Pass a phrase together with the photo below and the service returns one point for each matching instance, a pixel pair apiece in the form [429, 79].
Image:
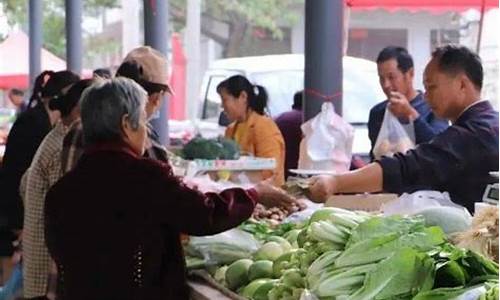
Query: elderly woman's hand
[322, 187]
[271, 196]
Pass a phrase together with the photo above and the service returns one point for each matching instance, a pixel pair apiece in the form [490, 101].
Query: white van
[283, 75]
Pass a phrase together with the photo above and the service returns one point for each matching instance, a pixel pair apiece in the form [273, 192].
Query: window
[212, 105]
[367, 43]
[441, 37]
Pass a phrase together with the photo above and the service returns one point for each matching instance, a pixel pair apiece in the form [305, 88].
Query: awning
[14, 61]
[432, 6]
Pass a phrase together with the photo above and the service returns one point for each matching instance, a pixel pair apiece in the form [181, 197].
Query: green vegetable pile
[339, 254]
[219, 148]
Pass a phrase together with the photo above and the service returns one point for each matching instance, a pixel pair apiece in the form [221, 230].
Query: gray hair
[103, 106]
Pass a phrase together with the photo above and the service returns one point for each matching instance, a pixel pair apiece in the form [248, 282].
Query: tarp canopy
[432, 6]
[14, 61]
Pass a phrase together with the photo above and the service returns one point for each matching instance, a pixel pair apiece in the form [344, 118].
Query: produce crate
[364, 202]
[245, 163]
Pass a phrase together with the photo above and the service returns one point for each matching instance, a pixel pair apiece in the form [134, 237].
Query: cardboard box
[365, 202]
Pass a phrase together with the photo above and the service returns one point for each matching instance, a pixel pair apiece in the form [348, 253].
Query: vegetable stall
[349, 249]
[341, 254]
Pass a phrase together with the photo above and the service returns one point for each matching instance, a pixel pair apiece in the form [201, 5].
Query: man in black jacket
[458, 160]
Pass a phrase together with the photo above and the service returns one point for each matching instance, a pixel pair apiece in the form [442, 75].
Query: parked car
[283, 75]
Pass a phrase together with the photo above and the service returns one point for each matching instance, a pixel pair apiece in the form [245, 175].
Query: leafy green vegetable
[378, 248]
[492, 293]
[286, 261]
[260, 269]
[194, 263]
[335, 283]
[293, 278]
[402, 275]
[444, 293]
[459, 267]
[262, 230]
[220, 274]
[380, 226]
[323, 262]
[253, 287]
[450, 274]
[285, 245]
[269, 251]
[237, 273]
[220, 148]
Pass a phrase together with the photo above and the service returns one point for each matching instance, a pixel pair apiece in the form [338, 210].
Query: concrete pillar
[74, 46]
[323, 55]
[156, 35]
[35, 38]
[193, 32]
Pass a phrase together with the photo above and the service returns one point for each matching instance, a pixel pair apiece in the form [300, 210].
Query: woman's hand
[321, 187]
[271, 196]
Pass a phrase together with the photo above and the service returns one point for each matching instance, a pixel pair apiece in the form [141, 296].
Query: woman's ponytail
[258, 102]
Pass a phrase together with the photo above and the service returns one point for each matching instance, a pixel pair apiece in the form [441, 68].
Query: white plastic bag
[435, 207]
[393, 136]
[327, 142]
[410, 204]
[223, 248]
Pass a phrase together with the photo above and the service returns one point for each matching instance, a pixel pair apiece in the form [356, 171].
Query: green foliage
[244, 17]
[53, 19]
[401, 275]
[220, 148]
[267, 14]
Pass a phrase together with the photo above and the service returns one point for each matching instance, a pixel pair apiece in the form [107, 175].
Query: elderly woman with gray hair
[118, 236]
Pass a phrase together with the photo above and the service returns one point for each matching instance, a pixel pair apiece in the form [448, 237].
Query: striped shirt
[44, 171]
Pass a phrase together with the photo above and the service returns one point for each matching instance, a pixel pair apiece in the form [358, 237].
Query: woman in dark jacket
[26, 134]
[113, 222]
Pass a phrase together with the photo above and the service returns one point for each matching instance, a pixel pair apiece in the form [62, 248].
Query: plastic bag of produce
[436, 208]
[223, 248]
[393, 136]
[411, 203]
[327, 142]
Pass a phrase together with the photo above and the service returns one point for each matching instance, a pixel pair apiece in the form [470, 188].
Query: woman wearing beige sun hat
[149, 68]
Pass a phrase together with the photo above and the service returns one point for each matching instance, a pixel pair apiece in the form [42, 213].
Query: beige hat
[154, 65]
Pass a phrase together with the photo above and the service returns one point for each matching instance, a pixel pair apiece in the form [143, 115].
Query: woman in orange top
[256, 133]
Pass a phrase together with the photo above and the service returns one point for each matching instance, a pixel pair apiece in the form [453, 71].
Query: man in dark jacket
[16, 97]
[458, 160]
[289, 124]
[396, 73]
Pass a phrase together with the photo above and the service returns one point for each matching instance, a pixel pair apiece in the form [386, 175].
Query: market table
[202, 291]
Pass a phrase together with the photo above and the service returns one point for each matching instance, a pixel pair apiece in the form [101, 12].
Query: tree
[53, 19]
[240, 16]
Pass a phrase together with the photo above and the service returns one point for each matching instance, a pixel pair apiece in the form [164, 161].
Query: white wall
[418, 25]
[489, 50]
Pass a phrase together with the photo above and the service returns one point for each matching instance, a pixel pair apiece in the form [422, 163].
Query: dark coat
[289, 124]
[458, 160]
[26, 134]
[113, 225]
